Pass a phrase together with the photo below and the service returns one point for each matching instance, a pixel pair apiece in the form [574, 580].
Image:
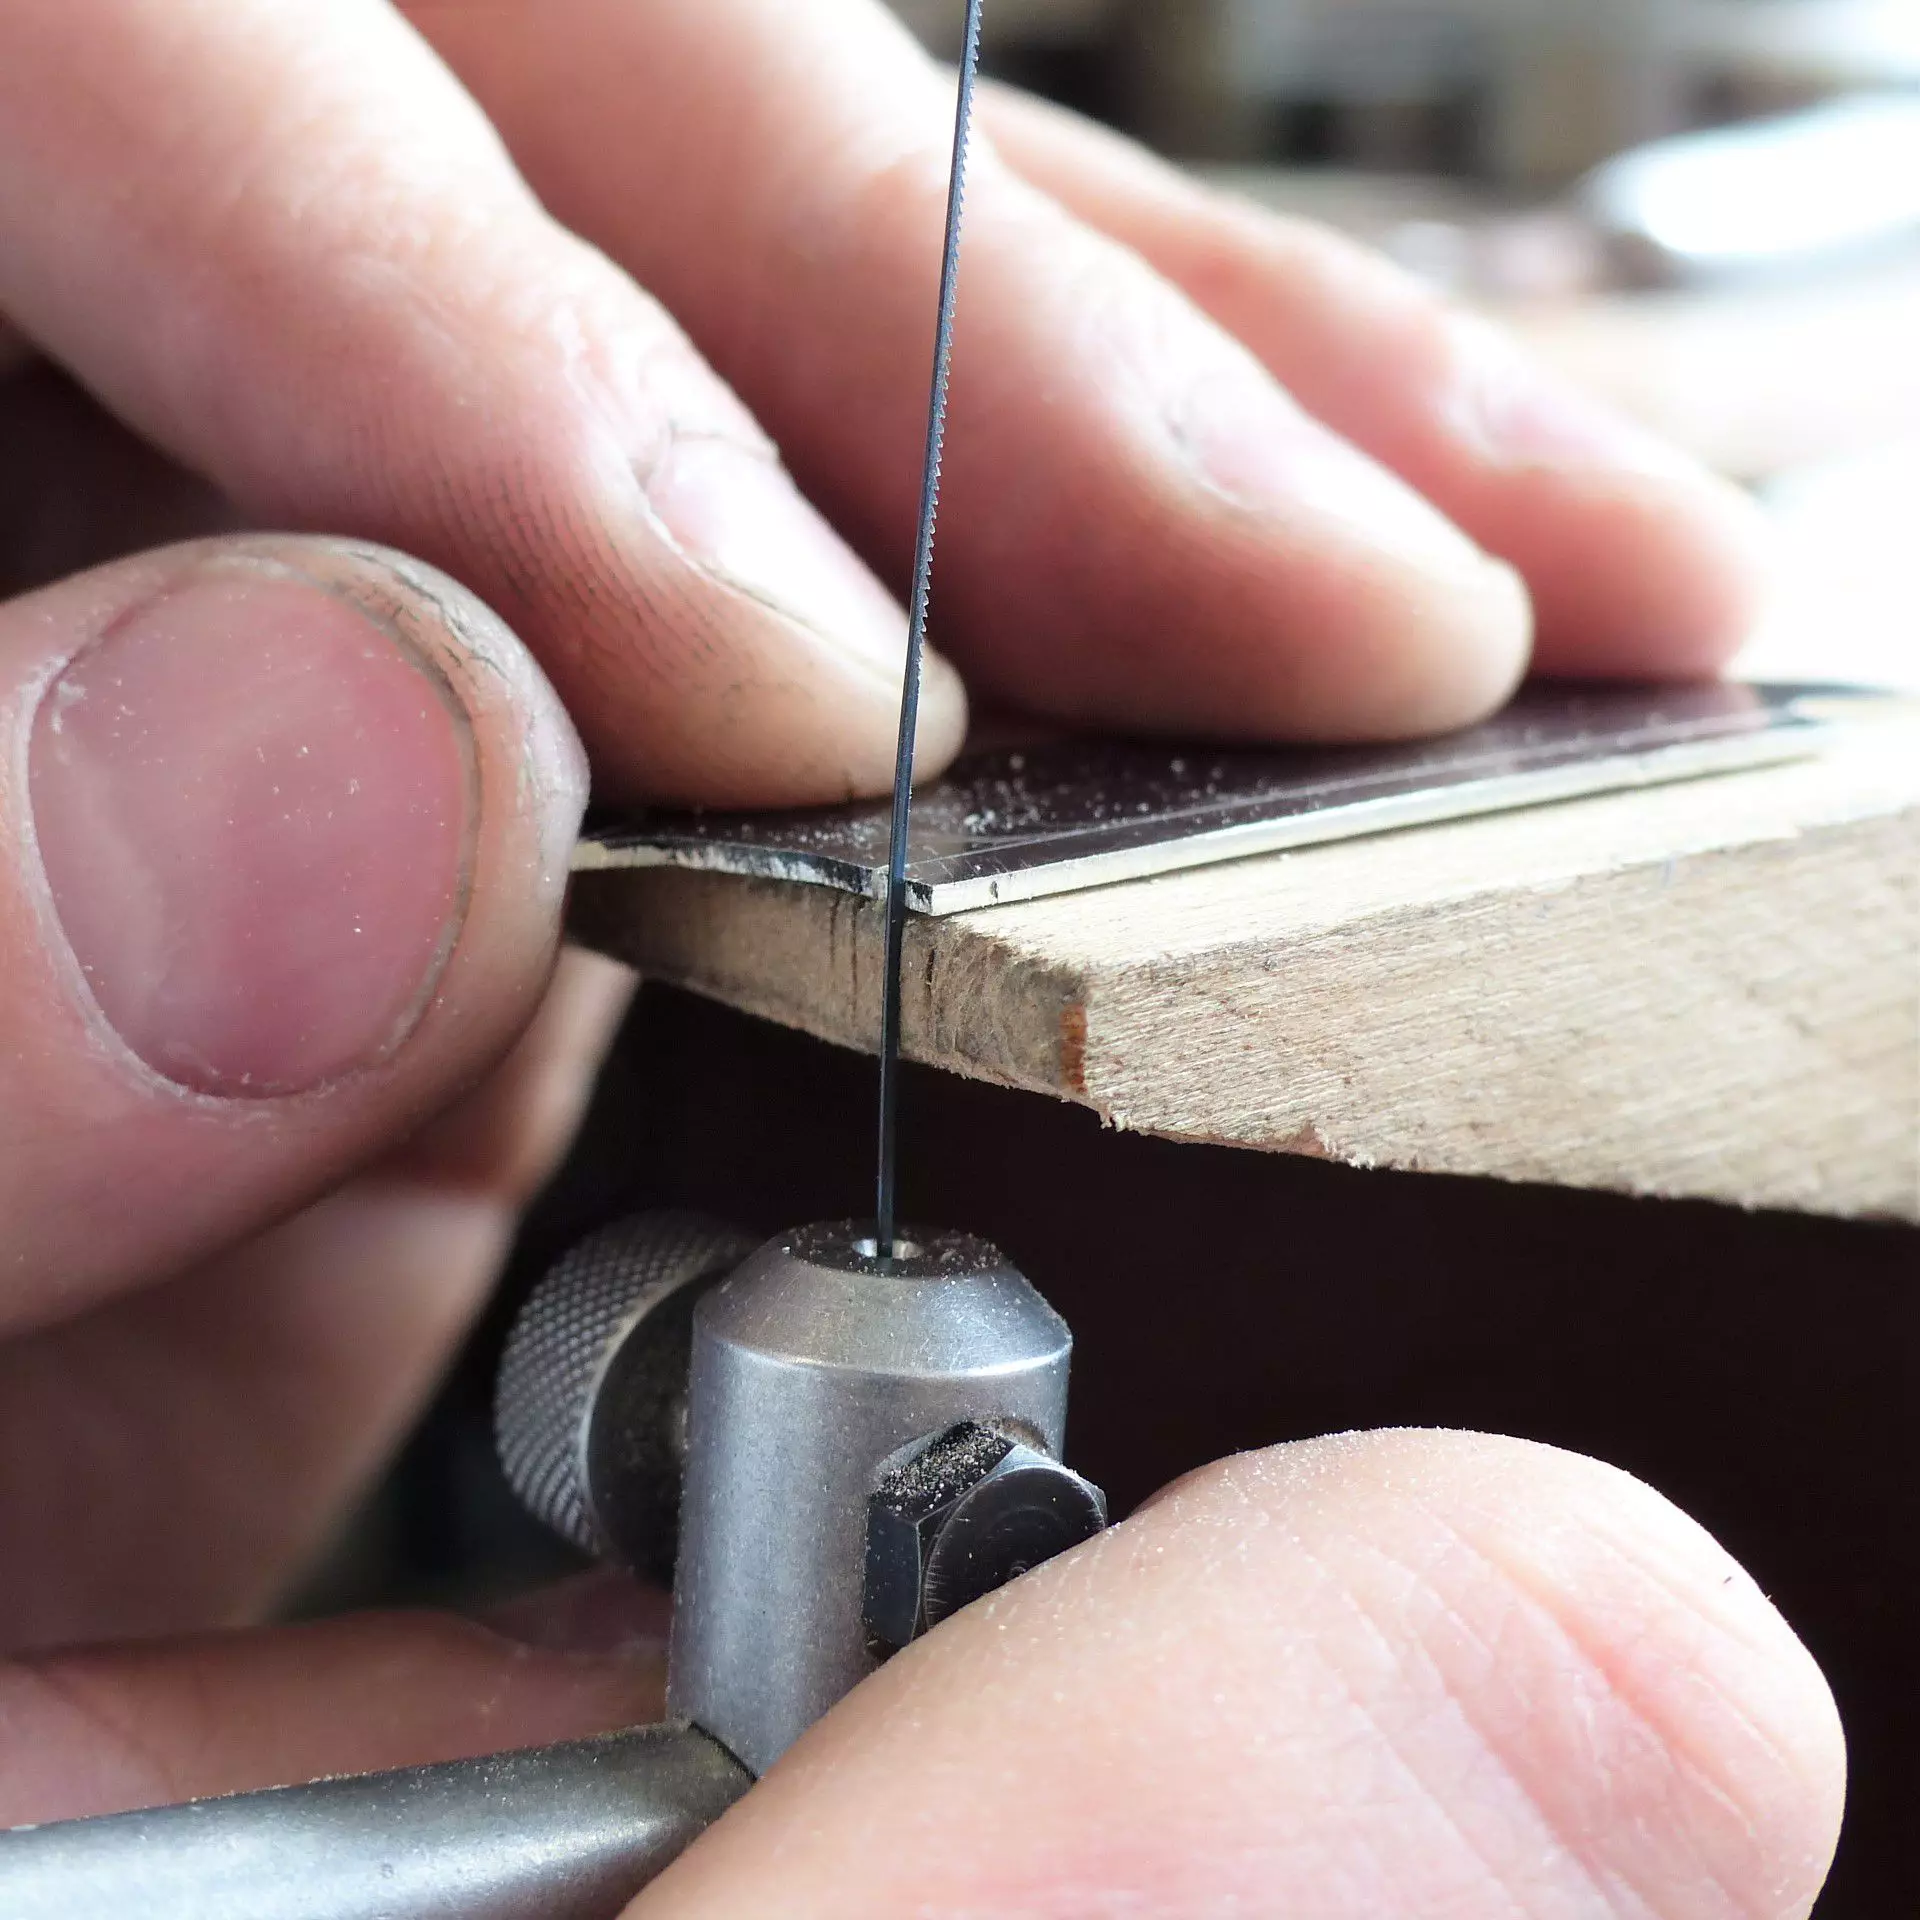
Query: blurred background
[1521, 94]
[1710, 210]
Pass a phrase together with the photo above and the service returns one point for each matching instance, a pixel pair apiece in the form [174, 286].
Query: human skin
[503, 312]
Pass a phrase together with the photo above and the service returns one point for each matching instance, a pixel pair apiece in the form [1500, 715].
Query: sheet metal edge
[1792, 739]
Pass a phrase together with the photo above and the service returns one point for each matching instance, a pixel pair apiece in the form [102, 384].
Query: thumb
[1379, 1674]
[283, 843]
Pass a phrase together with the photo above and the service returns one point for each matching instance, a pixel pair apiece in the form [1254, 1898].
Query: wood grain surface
[1710, 989]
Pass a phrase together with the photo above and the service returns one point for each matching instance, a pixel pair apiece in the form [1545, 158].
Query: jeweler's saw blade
[1020, 823]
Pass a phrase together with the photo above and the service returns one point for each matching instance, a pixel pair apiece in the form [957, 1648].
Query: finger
[214, 1430]
[1397, 1674]
[283, 843]
[353, 316]
[1639, 561]
[1139, 526]
[106, 1729]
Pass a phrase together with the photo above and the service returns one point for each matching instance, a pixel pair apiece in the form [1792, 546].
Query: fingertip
[1451, 653]
[1324, 622]
[1693, 580]
[1641, 560]
[1652, 1701]
[1385, 620]
[1690, 1643]
[784, 664]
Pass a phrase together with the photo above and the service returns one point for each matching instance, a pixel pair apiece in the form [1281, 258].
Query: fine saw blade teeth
[902, 814]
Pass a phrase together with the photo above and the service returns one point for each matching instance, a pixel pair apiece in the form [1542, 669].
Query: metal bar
[553, 1833]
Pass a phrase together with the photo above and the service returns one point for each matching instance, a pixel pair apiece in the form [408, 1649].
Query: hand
[1209, 471]
[281, 855]
[282, 875]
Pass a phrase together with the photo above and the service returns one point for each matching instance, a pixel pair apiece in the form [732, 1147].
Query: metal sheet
[1018, 824]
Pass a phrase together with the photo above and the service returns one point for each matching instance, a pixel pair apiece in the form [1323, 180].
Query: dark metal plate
[1015, 824]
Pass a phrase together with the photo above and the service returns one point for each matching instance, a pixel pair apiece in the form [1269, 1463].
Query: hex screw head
[960, 1514]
